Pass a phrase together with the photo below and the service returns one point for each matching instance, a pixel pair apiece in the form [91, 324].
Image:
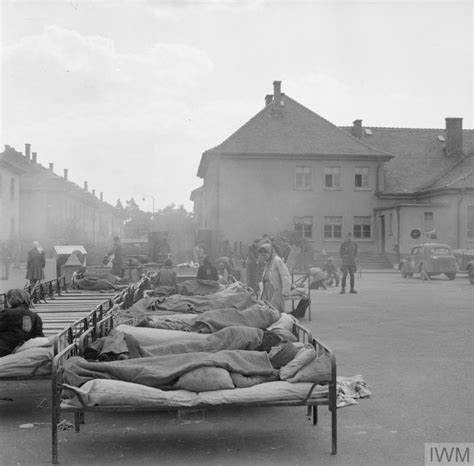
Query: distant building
[288, 168]
[53, 210]
[9, 200]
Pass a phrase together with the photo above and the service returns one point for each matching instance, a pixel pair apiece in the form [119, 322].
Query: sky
[128, 94]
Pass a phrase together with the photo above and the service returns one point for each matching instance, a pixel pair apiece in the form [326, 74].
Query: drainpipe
[458, 235]
[398, 234]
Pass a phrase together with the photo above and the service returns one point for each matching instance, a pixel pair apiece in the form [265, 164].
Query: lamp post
[153, 205]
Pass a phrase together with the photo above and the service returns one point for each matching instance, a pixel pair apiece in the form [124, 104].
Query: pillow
[316, 371]
[304, 356]
[282, 354]
[205, 379]
[286, 321]
[38, 342]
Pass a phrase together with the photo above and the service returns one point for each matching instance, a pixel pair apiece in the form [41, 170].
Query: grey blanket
[256, 316]
[162, 371]
[190, 304]
[231, 338]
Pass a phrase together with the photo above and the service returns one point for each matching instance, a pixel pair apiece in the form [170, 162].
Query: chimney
[357, 129]
[101, 196]
[454, 136]
[7, 147]
[93, 192]
[268, 99]
[65, 173]
[28, 151]
[34, 157]
[51, 166]
[85, 185]
[277, 93]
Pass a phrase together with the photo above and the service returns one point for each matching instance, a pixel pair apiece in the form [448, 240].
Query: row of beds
[102, 320]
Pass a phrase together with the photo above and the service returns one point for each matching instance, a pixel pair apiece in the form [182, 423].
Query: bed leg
[54, 422]
[314, 414]
[77, 421]
[334, 430]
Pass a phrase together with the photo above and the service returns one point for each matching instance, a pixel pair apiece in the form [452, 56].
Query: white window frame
[428, 221]
[336, 174]
[361, 233]
[333, 221]
[304, 226]
[364, 173]
[304, 178]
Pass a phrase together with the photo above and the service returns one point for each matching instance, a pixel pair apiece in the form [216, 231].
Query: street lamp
[153, 205]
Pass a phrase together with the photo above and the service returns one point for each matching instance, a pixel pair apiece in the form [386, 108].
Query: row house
[289, 169]
[54, 210]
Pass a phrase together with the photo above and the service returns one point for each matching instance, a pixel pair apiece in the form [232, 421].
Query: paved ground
[411, 340]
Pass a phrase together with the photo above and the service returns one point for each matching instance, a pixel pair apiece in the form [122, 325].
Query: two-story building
[9, 199]
[54, 210]
[288, 168]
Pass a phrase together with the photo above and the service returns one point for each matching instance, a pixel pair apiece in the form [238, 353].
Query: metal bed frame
[55, 291]
[298, 294]
[103, 328]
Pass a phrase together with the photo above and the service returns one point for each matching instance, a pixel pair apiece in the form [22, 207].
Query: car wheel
[471, 275]
[451, 276]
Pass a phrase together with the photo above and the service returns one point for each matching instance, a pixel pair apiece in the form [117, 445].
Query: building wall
[258, 196]
[9, 208]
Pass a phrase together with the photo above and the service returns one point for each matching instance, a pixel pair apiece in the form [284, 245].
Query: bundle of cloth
[84, 280]
[32, 358]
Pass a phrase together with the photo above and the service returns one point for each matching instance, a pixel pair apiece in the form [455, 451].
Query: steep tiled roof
[419, 159]
[293, 129]
[459, 176]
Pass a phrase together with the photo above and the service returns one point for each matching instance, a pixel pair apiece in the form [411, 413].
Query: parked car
[470, 271]
[464, 257]
[430, 258]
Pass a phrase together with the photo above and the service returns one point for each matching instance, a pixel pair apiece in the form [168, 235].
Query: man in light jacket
[276, 278]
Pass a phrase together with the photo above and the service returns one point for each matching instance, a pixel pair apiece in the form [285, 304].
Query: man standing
[117, 261]
[348, 253]
[199, 253]
[35, 264]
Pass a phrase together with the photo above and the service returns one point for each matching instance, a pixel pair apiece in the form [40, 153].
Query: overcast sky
[128, 94]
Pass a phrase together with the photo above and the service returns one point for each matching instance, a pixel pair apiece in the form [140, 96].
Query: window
[12, 189]
[428, 221]
[303, 178]
[304, 226]
[390, 224]
[361, 177]
[362, 227]
[470, 222]
[332, 227]
[332, 177]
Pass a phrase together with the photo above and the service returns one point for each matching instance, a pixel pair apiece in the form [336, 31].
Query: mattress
[103, 393]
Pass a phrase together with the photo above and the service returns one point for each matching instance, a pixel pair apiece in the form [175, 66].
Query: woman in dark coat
[35, 263]
[17, 323]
